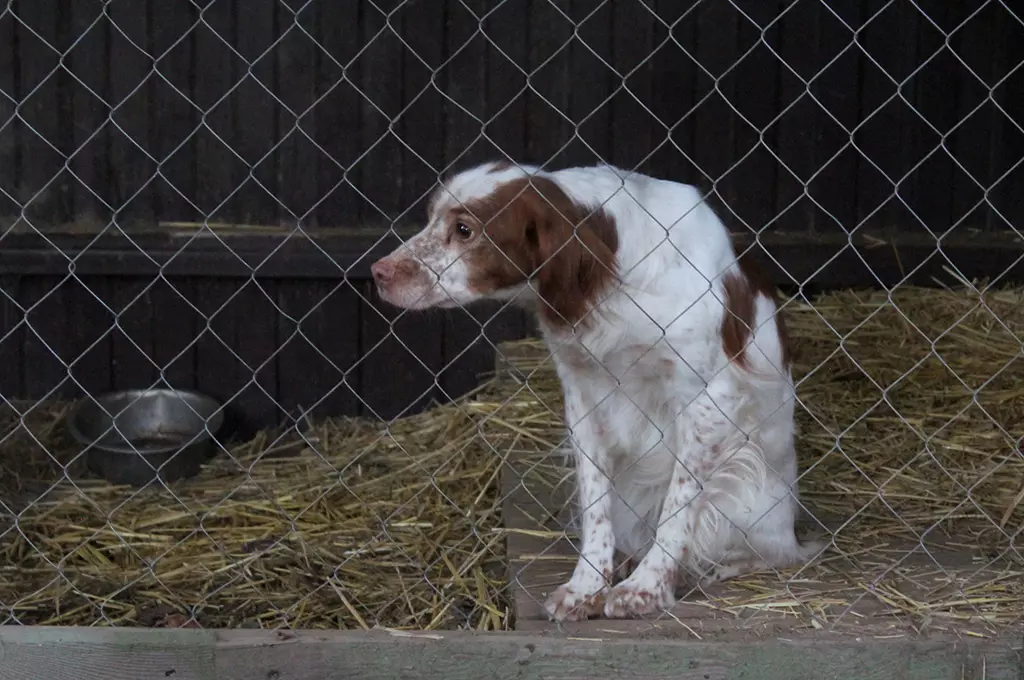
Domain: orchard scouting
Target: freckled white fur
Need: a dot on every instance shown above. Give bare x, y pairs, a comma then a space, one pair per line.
673, 444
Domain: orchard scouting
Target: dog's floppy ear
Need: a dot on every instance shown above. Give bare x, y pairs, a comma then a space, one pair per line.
572, 250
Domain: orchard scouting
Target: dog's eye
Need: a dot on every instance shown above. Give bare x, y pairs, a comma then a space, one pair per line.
463, 231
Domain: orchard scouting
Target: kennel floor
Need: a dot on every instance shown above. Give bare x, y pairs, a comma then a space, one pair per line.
938, 585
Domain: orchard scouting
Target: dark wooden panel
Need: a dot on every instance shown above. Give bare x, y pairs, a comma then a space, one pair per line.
133, 336
232, 125
800, 138
319, 336
44, 102
464, 79
833, 160
379, 173
635, 133
401, 357
86, 345
471, 336
754, 84
45, 300
987, 144
10, 147
802, 254
507, 26
173, 118
248, 120
175, 324
93, 192
12, 337
1008, 142
298, 65
714, 134
352, 53
590, 82
547, 128
420, 24
885, 126
130, 93
236, 353
928, 191
339, 114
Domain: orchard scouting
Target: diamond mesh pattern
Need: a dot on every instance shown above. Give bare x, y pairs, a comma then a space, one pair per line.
833, 122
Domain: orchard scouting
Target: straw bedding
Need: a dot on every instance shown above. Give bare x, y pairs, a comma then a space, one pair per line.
909, 435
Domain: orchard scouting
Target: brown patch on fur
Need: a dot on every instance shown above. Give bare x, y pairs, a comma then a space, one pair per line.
741, 292
499, 166
529, 234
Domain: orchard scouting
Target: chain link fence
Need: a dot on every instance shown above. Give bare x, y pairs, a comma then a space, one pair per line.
897, 119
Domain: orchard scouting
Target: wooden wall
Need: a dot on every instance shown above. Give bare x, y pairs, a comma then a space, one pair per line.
898, 120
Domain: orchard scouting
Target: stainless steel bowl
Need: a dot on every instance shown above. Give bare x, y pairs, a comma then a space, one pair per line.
161, 432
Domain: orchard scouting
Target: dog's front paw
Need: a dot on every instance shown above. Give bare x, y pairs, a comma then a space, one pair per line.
638, 596
569, 604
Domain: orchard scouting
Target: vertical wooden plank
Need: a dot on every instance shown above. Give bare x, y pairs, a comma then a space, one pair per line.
380, 177
635, 134
302, 371
133, 338
10, 156
44, 109
44, 300
90, 134
64, 137
256, 331
548, 130
337, 331
591, 83
12, 335
88, 341
714, 123
836, 187
129, 169
235, 354
219, 371
257, 29
336, 27
677, 84
466, 348
421, 23
508, 26
929, 190
795, 137
175, 325
471, 337
218, 170
298, 64
1008, 144
401, 358
975, 141
755, 87
885, 138
172, 119
465, 80
319, 345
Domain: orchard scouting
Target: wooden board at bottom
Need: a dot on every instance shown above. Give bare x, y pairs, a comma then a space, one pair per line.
885, 589
182, 654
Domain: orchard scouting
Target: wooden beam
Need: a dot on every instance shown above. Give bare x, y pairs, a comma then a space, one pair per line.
27, 653
790, 259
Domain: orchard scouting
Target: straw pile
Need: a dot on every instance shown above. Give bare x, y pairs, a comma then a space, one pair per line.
398, 527
910, 427
909, 441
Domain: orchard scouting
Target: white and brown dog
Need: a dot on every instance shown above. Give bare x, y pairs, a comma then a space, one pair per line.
674, 365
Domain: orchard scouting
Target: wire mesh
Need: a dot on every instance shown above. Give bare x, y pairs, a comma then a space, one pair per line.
459, 516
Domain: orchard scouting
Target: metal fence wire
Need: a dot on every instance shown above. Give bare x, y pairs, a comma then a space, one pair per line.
874, 114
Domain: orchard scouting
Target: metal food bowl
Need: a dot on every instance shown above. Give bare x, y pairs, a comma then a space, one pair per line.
169, 430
